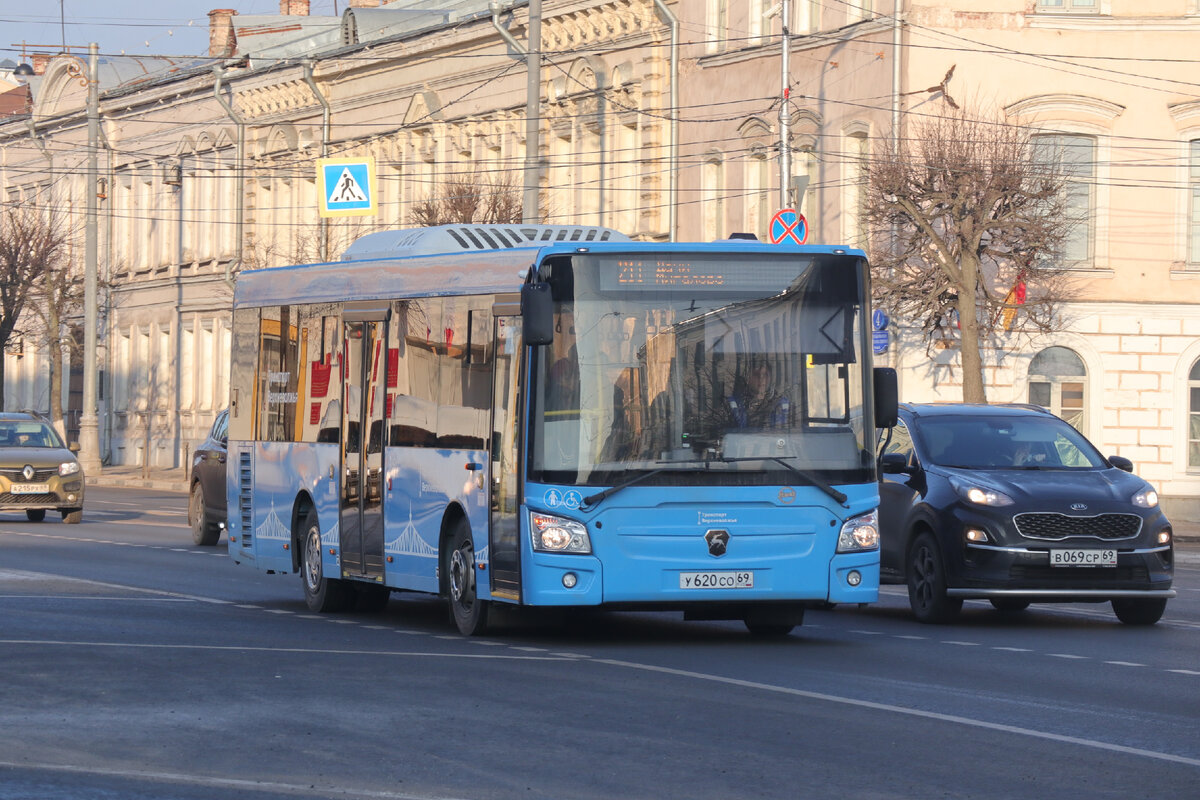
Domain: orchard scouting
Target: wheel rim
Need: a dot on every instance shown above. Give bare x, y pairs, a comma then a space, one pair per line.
198, 509
312, 561
462, 575
924, 570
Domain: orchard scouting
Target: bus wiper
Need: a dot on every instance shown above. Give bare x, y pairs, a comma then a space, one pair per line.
808, 476
594, 499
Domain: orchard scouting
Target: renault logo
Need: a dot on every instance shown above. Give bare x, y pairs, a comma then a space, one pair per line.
717, 540
27, 472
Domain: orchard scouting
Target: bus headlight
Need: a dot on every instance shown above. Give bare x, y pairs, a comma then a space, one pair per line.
558, 535
859, 533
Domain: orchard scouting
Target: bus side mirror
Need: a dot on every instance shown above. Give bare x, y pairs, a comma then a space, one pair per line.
887, 398
537, 314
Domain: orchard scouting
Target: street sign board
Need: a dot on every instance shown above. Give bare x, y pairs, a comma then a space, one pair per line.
788, 226
346, 187
879, 341
879, 320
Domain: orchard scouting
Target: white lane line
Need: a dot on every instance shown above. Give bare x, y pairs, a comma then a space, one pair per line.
306, 789
1124, 663
1013, 649
960, 644
1067, 655
43, 576
902, 710
913, 638
867, 633
1184, 671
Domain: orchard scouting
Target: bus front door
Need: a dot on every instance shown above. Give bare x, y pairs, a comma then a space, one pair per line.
364, 390
504, 480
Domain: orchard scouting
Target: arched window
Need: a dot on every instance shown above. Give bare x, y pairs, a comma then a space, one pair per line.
1058, 382
1194, 416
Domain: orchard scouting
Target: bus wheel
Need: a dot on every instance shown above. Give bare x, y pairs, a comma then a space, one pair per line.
773, 621
320, 593
469, 612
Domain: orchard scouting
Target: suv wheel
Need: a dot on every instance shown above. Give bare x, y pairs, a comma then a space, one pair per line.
927, 583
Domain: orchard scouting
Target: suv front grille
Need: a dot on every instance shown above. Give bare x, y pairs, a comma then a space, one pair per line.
39, 476
1056, 527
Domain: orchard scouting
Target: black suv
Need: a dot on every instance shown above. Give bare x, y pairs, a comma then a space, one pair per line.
206, 504
1012, 504
38, 472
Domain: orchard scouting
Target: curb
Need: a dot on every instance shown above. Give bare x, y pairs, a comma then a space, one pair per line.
139, 483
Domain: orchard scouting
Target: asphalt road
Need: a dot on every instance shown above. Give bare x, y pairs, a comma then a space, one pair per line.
135, 665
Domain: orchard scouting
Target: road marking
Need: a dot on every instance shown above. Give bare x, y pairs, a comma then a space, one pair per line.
221, 783
26, 575
960, 644
913, 638
910, 712
1184, 671
1014, 649
867, 633
1125, 663
1066, 655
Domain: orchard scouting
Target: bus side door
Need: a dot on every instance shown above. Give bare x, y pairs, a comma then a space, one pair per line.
505, 472
363, 403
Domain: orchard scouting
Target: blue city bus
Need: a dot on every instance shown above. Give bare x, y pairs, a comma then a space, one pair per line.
559, 416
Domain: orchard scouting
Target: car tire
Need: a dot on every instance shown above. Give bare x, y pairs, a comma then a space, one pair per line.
321, 594
35, 514
203, 532
1139, 611
1009, 605
470, 614
72, 516
927, 583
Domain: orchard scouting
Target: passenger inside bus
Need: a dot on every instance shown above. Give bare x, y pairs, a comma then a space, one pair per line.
756, 403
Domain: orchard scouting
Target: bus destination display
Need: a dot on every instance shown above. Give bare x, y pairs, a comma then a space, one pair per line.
702, 271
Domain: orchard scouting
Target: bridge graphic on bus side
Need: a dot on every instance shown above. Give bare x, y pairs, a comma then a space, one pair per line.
272, 528
410, 543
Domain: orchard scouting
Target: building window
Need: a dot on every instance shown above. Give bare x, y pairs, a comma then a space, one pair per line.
858, 10
757, 196
1076, 155
854, 190
1058, 383
1194, 416
717, 12
1069, 6
806, 15
1194, 204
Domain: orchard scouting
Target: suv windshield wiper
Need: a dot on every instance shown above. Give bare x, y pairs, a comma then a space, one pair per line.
808, 476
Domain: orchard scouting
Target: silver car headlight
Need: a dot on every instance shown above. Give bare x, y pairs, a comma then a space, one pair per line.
68, 468
859, 534
553, 534
1146, 498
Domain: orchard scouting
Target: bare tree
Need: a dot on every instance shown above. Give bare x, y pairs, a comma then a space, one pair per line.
470, 198
32, 242
968, 218
54, 309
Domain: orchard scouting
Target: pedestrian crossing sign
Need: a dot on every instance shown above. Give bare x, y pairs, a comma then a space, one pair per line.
346, 187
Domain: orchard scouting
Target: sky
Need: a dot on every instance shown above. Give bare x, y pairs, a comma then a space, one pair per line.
135, 27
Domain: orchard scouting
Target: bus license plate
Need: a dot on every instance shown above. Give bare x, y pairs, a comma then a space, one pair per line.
29, 488
716, 580
1083, 558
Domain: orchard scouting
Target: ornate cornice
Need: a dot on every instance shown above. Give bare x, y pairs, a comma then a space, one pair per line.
604, 22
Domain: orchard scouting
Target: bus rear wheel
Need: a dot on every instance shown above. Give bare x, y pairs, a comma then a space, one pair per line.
470, 614
320, 593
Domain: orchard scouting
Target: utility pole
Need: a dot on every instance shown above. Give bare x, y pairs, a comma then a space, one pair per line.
89, 431
530, 213
785, 111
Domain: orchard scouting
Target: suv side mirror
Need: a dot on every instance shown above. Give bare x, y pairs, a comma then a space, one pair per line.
887, 397
73, 447
537, 314
1122, 463
894, 464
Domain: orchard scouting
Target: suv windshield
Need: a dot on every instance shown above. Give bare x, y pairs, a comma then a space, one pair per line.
28, 433
713, 368
1036, 441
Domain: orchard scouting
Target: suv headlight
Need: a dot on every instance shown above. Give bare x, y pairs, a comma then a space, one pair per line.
859, 533
558, 535
979, 494
68, 468
1146, 498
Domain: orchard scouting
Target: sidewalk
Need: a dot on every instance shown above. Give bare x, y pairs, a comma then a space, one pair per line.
175, 480
169, 480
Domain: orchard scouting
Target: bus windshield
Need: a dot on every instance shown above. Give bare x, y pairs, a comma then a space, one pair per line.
704, 368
